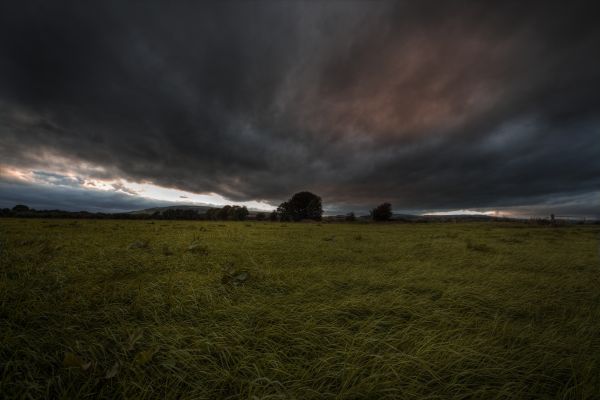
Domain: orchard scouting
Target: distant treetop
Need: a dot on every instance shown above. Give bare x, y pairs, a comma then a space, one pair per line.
302, 205
382, 212
20, 208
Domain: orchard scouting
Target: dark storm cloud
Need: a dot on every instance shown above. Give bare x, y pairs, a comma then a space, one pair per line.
426, 104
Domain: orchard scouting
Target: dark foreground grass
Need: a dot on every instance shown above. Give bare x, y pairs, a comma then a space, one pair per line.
139, 309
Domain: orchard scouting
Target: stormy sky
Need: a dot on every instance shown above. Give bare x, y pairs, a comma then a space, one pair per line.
430, 105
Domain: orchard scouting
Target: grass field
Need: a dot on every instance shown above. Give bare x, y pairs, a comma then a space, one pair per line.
163, 309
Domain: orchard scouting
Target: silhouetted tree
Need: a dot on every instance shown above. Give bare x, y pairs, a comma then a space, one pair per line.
260, 216
233, 213
20, 208
176, 213
223, 213
273, 216
239, 213
302, 205
382, 212
211, 214
284, 211
350, 217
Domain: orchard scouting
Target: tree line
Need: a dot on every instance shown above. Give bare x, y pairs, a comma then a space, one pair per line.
301, 206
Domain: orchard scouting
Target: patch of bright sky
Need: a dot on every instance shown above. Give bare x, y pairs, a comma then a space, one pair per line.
464, 212
146, 190
156, 192
152, 191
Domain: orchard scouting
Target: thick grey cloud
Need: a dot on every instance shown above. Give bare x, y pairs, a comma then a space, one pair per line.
429, 105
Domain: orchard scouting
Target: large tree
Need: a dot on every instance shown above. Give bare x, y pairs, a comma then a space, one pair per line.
302, 205
20, 208
382, 212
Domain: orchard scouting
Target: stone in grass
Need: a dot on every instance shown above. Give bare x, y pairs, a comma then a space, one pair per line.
139, 244
197, 248
235, 278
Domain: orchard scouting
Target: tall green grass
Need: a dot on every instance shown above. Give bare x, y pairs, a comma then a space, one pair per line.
141, 310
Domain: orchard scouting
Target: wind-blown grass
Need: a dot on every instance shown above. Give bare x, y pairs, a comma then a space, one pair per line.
134, 309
